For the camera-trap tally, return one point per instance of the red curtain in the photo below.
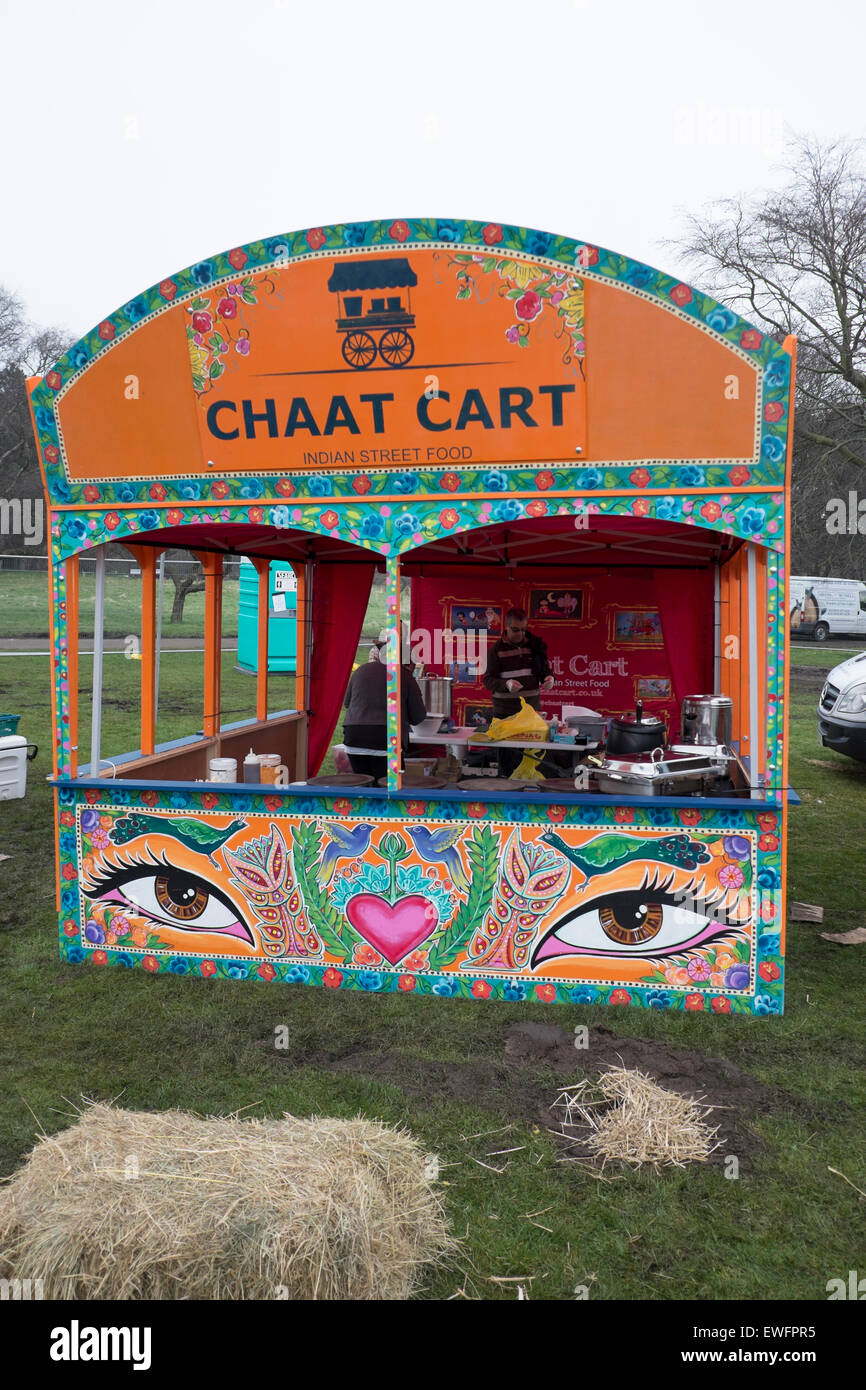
(340, 596)
(685, 603)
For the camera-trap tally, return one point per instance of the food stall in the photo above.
(492, 417)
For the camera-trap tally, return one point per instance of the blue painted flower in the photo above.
(355, 234)
(75, 955)
(590, 478)
(404, 482)
(446, 989)
(125, 492)
(236, 972)
(769, 944)
(202, 274)
(279, 516)
(148, 520)
(89, 820)
(770, 878)
(509, 510)
(76, 527)
(727, 818)
(776, 375)
(94, 932)
(68, 899)
(275, 247)
(514, 990)
(241, 803)
(251, 487)
(319, 486)
(737, 977)
(764, 1004)
(79, 356)
(640, 275)
(60, 488)
(447, 231)
(538, 243)
(66, 796)
(298, 975)
(582, 996)
(736, 847)
(372, 528)
(45, 421)
(189, 489)
(773, 448)
(370, 979)
(692, 477)
(494, 481)
(123, 959)
(752, 519)
(67, 845)
(659, 999)
(722, 320)
(135, 309)
(179, 799)
(178, 967)
(407, 524)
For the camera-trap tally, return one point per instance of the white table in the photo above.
(460, 740)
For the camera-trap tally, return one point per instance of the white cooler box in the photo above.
(13, 765)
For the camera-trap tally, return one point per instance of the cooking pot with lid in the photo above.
(632, 733)
(707, 719)
(437, 694)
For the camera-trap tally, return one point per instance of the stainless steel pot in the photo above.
(707, 720)
(437, 695)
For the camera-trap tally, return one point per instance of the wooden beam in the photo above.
(212, 564)
(263, 571)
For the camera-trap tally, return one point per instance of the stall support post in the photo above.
(146, 559)
(754, 738)
(394, 703)
(98, 647)
(71, 568)
(717, 628)
(263, 572)
(160, 591)
(213, 612)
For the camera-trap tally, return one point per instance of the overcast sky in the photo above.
(140, 137)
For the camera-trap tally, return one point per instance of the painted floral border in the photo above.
(592, 262)
(767, 999)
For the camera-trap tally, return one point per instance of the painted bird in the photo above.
(343, 844)
(437, 847)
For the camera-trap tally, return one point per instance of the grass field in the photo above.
(781, 1230)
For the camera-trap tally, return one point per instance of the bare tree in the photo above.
(24, 351)
(187, 579)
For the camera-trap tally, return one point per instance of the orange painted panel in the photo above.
(656, 385)
(108, 432)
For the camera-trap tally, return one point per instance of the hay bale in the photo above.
(131, 1205)
(629, 1116)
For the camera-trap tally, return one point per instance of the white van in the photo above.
(822, 608)
(842, 708)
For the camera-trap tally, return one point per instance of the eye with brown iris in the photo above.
(180, 895)
(631, 919)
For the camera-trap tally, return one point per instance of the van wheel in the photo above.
(821, 633)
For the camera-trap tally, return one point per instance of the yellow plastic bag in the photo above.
(526, 723)
(527, 768)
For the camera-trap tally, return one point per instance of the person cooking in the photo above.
(517, 668)
(365, 702)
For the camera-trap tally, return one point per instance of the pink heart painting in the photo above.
(392, 930)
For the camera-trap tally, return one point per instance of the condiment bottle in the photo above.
(252, 771)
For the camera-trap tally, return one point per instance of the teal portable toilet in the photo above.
(282, 617)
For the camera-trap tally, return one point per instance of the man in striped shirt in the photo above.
(517, 666)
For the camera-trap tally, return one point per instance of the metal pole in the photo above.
(98, 645)
(159, 592)
(754, 732)
(717, 628)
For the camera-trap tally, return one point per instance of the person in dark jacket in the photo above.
(517, 666)
(365, 702)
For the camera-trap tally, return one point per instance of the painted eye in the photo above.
(645, 922)
(174, 897)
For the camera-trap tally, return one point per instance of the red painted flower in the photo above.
(174, 516)
(238, 258)
(67, 817)
(285, 487)
(274, 803)
(54, 380)
(266, 971)
(256, 514)
(639, 476)
(587, 255)
(406, 982)
(106, 331)
(168, 289)
(546, 993)
(720, 1005)
(91, 493)
(681, 295)
(768, 970)
(544, 480)
(448, 518)
(491, 235)
(112, 521)
(450, 481)
(768, 820)
(711, 511)
(150, 963)
(416, 808)
(209, 800)
(69, 872)
(228, 308)
(91, 796)
(528, 306)
(624, 815)
(202, 322)
(399, 230)
(768, 842)
(315, 238)
(332, 978)
(557, 814)
(751, 339)
(51, 454)
(99, 957)
(538, 507)
(150, 796)
(641, 507)
(361, 484)
(156, 492)
(619, 996)
(773, 411)
(330, 521)
(738, 476)
(694, 1001)
(343, 806)
(70, 928)
(220, 488)
(207, 968)
(480, 989)
(476, 808)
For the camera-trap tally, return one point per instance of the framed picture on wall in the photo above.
(556, 605)
(652, 688)
(474, 712)
(634, 627)
(477, 617)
